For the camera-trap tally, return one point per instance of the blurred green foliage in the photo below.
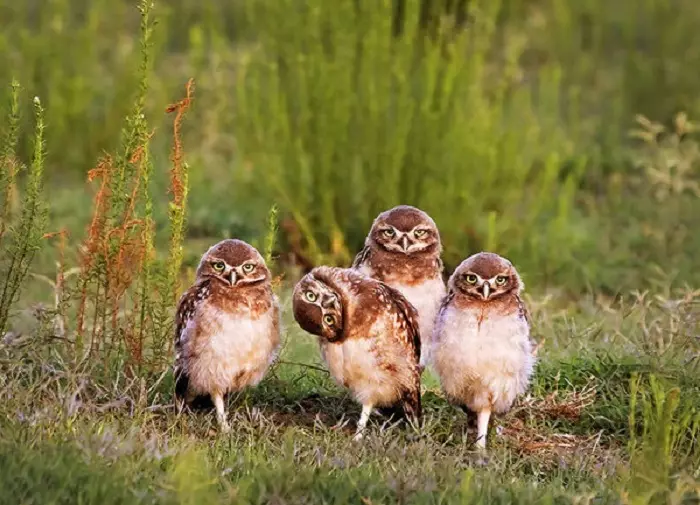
(507, 121)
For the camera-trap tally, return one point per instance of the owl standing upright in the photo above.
(483, 354)
(227, 326)
(403, 250)
(369, 337)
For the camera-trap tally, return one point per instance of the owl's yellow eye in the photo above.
(218, 266)
(389, 232)
(501, 280)
(248, 267)
(420, 233)
(328, 319)
(470, 278)
(310, 296)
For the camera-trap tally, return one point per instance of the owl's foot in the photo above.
(362, 423)
(482, 425)
(221, 413)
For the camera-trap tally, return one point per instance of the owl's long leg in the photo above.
(482, 426)
(362, 423)
(220, 412)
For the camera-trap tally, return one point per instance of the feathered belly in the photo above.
(236, 356)
(372, 379)
(426, 298)
(485, 369)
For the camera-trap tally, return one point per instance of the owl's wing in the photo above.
(440, 265)
(446, 301)
(441, 269)
(523, 311)
(186, 309)
(410, 315)
(361, 258)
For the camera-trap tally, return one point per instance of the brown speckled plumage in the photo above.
(403, 250)
(368, 334)
(227, 326)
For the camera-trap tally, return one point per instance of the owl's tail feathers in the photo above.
(411, 404)
(408, 408)
(182, 385)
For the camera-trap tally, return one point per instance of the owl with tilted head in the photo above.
(369, 338)
(227, 326)
(403, 250)
(483, 354)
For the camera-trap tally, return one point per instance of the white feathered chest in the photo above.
(484, 358)
(228, 351)
(375, 369)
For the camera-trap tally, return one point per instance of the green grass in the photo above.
(83, 436)
(516, 133)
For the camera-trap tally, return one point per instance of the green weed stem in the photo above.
(27, 237)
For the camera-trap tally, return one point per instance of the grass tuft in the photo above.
(25, 237)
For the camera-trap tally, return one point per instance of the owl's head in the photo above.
(235, 263)
(318, 307)
(405, 230)
(486, 276)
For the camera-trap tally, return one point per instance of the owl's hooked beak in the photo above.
(486, 290)
(328, 301)
(233, 278)
(404, 243)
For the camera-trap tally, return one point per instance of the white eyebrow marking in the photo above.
(502, 274)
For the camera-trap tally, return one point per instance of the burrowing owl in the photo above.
(403, 250)
(227, 326)
(369, 337)
(482, 352)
